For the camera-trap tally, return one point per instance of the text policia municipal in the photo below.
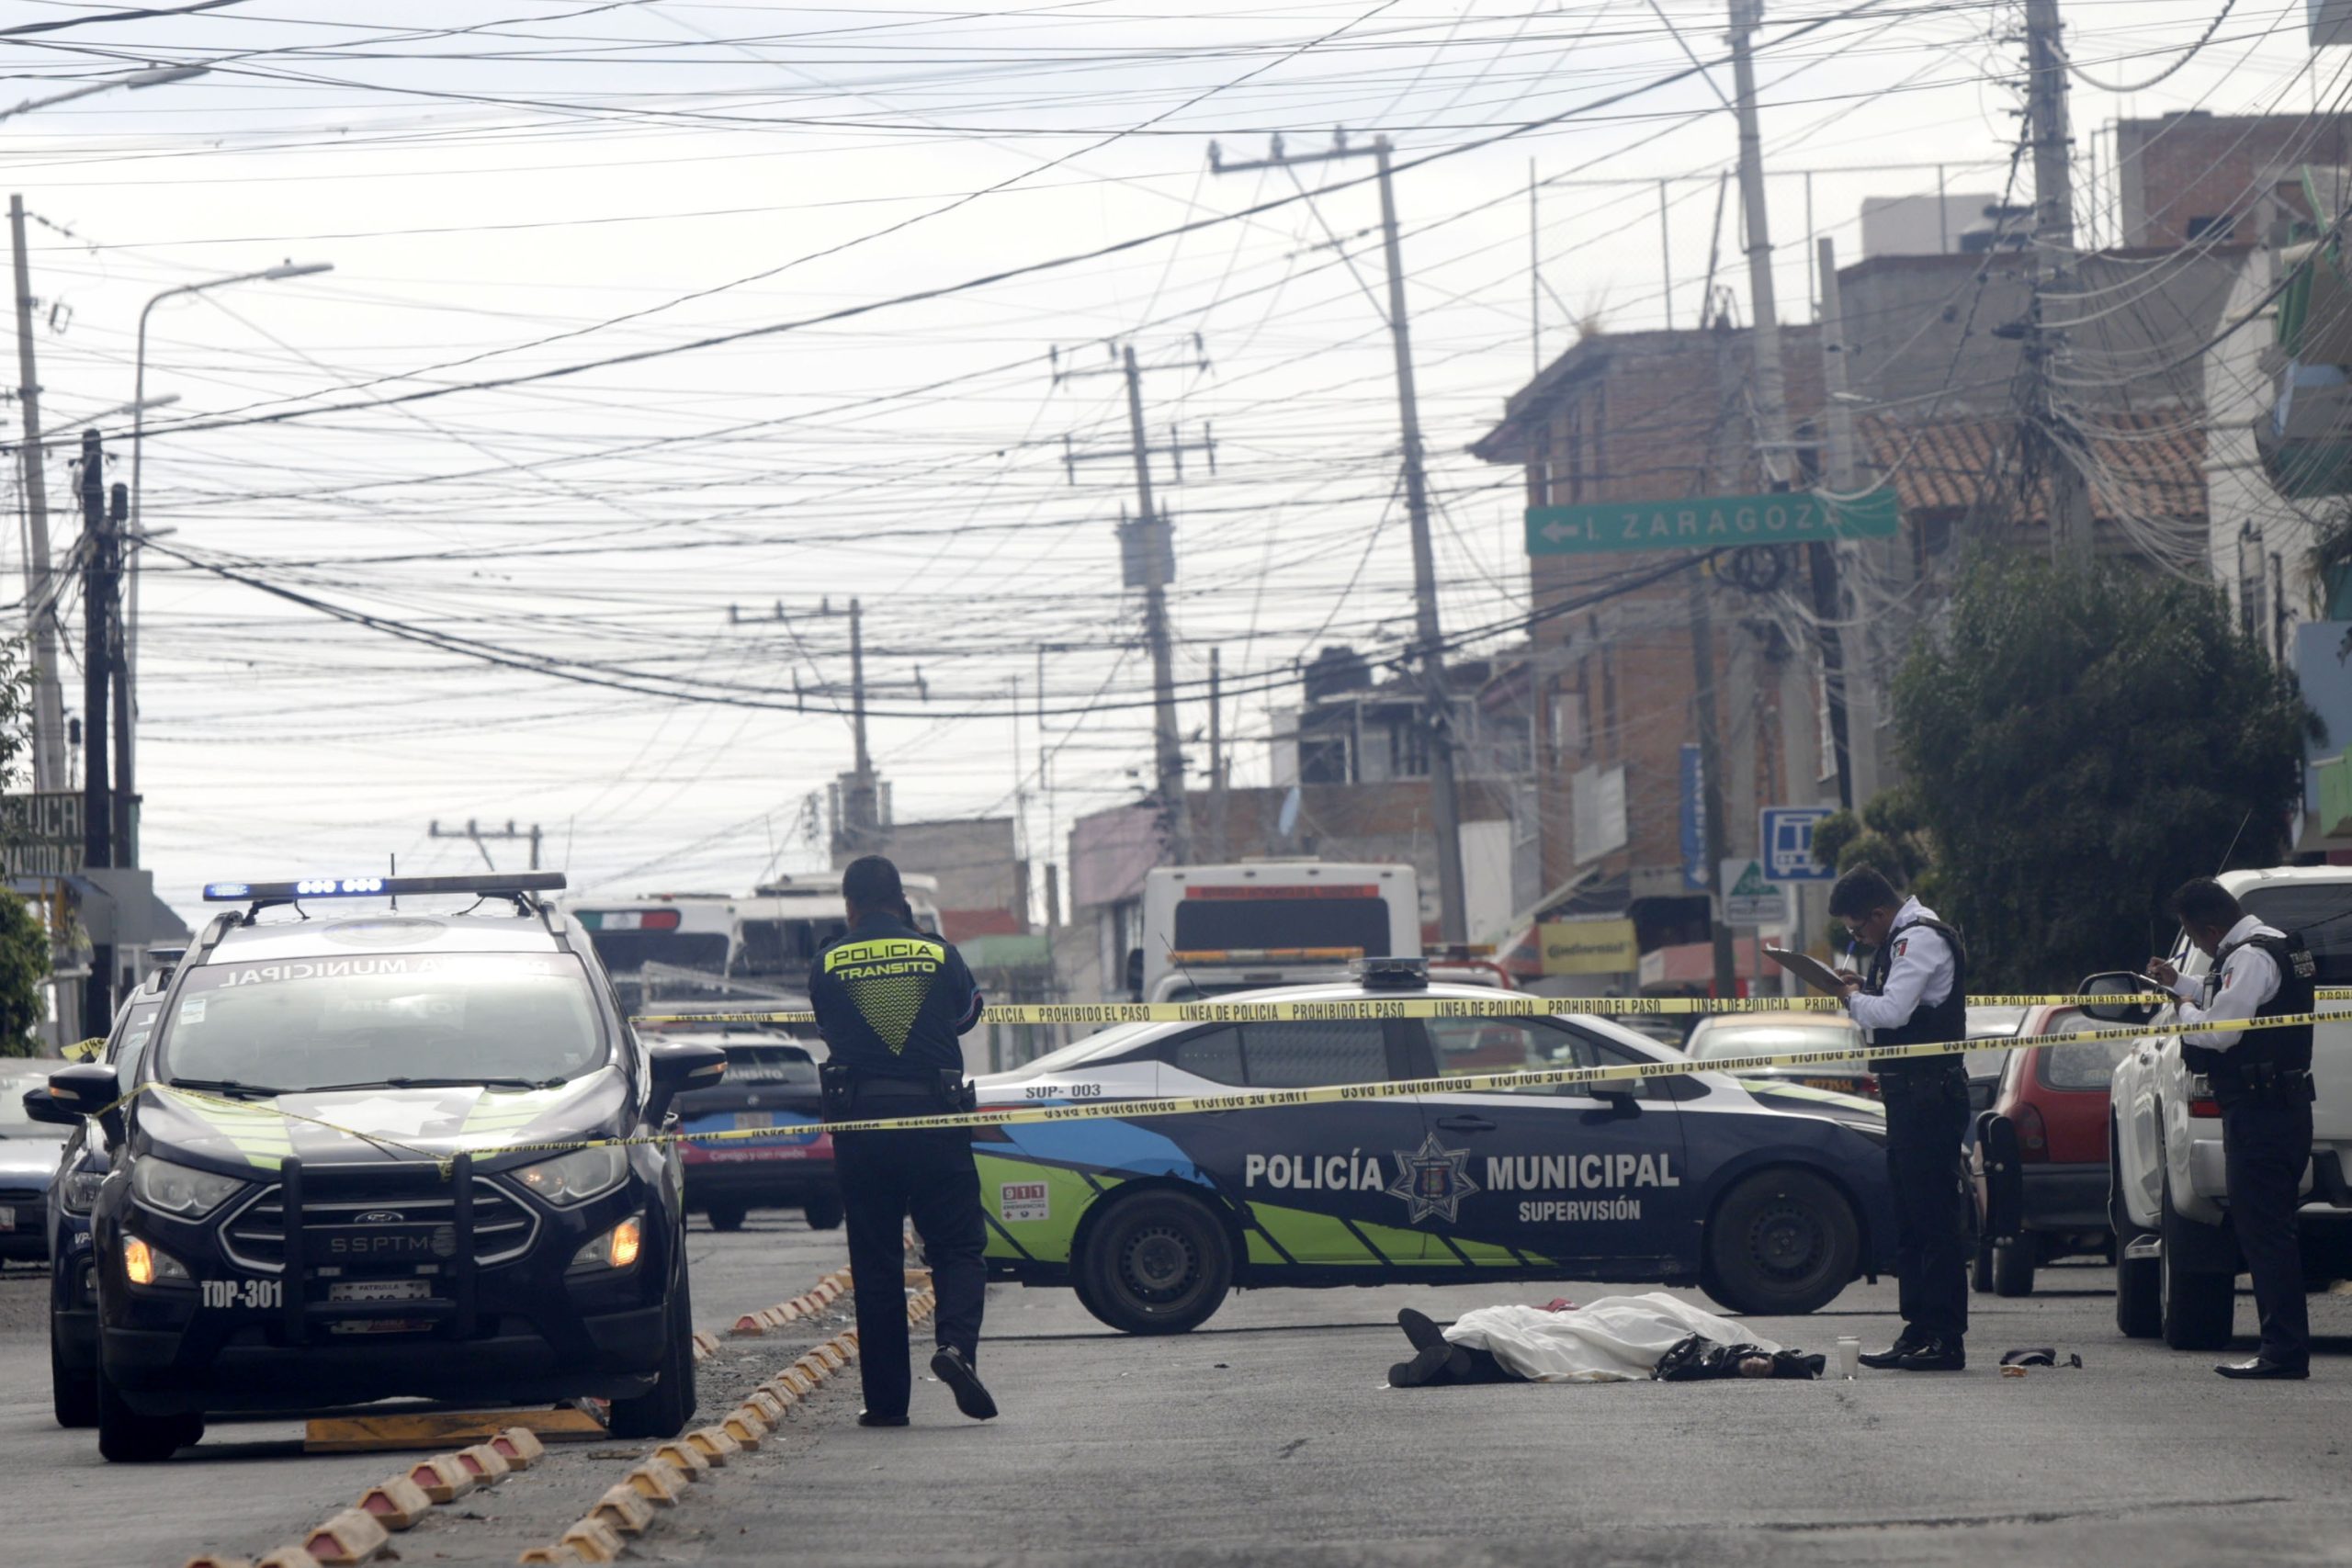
(1357, 1171)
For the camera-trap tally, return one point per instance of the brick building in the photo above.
(2181, 177)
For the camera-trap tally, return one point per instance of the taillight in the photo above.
(2204, 1108)
(2033, 1136)
(1868, 1087)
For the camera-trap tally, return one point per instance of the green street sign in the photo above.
(1708, 522)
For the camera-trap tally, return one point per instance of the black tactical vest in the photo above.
(2286, 1046)
(1930, 1021)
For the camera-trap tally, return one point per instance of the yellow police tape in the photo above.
(1500, 1004)
(1329, 1094)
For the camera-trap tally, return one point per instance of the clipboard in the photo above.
(1810, 970)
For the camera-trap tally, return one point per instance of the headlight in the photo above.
(617, 1248)
(147, 1265)
(78, 1189)
(180, 1190)
(576, 1177)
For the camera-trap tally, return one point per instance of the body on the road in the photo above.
(891, 1002)
(1916, 993)
(2262, 1080)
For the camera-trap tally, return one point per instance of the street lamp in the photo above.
(128, 722)
(153, 77)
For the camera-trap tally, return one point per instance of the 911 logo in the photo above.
(1433, 1179)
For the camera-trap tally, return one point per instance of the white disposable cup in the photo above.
(1850, 1357)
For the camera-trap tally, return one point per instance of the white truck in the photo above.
(2177, 1259)
(1209, 930)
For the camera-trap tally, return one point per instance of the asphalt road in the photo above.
(1268, 1434)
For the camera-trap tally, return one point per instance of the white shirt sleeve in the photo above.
(2249, 979)
(1922, 971)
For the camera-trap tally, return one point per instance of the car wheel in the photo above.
(2139, 1301)
(1782, 1242)
(2013, 1266)
(663, 1410)
(126, 1436)
(72, 1390)
(1156, 1263)
(728, 1216)
(2198, 1306)
(824, 1214)
(1980, 1269)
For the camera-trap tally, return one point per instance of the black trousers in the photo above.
(1927, 1117)
(884, 1178)
(2265, 1146)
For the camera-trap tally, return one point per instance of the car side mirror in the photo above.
(89, 1088)
(678, 1067)
(2121, 985)
(41, 1106)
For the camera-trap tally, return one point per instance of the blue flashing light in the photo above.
(217, 890)
(497, 885)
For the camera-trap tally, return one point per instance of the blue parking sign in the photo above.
(1785, 841)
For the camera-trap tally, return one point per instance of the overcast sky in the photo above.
(448, 600)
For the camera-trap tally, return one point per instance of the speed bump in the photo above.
(745, 1427)
(521, 1446)
(489, 1466)
(594, 1541)
(715, 1446)
(352, 1536)
(623, 1511)
(659, 1482)
(396, 1501)
(443, 1477)
(682, 1456)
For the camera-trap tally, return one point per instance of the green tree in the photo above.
(1889, 832)
(24, 940)
(2080, 741)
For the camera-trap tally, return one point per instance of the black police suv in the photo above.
(373, 1154)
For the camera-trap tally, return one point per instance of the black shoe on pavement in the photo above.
(950, 1368)
(868, 1418)
(1429, 1339)
(1934, 1356)
(1429, 1365)
(1905, 1344)
(2261, 1366)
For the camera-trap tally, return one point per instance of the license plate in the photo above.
(8, 1219)
(746, 1118)
(379, 1291)
(383, 1325)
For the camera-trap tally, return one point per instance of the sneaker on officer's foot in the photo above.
(950, 1368)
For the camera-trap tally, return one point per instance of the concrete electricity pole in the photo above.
(49, 701)
(2054, 261)
(1771, 388)
(1853, 705)
(100, 565)
(1147, 556)
(1445, 806)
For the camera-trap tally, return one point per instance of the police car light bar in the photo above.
(1265, 954)
(491, 886)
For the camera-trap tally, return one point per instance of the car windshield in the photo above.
(304, 1023)
(14, 1123)
(2320, 913)
(1771, 1039)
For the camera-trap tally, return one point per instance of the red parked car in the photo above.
(2040, 1164)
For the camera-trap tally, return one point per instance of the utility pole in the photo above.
(1218, 849)
(478, 834)
(858, 825)
(1771, 384)
(1147, 557)
(1445, 806)
(98, 570)
(1853, 705)
(49, 701)
(2054, 262)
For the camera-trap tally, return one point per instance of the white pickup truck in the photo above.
(2177, 1259)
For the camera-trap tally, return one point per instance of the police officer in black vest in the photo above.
(2263, 1080)
(891, 1001)
(1916, 993)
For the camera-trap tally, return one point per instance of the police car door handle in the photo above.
(1465, 1124)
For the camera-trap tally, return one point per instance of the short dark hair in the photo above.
(871, 883)
(1859, 891)
(2202, 901)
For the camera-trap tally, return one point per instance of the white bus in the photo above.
(710, 947)
(1258, 917)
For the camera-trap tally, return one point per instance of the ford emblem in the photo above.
(381, 1217)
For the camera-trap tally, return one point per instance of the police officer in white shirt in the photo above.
(1915, 993)
(2263, 1080)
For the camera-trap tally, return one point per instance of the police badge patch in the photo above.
(1432, 1180)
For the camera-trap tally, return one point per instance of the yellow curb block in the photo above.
(490, 1466)
(352, 1536)
(767, 1404)
(549, 1554)
(285, 1557)
(594, 1541)
(396, 1501)
(748, 1431)
(715, 1446)
(521, 1446)
(623, 1511)
(659, 1482)
(706, 1345)
(684, 1458)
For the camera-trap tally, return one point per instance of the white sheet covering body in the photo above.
(1616, 1339)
